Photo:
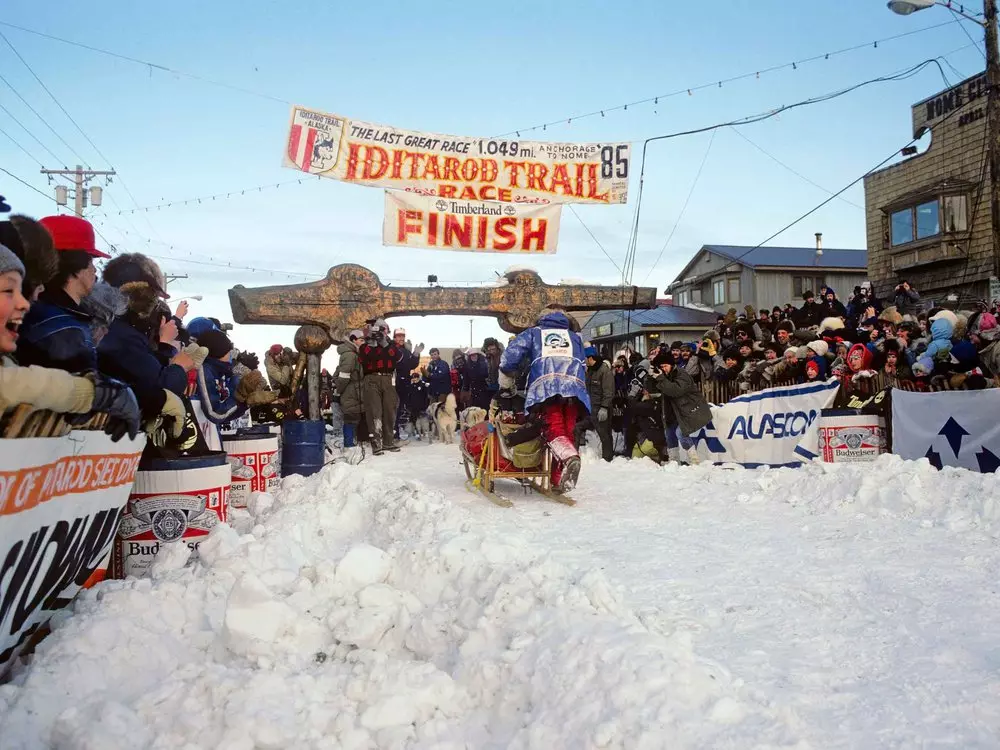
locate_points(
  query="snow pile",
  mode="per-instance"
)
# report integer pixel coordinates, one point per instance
(891, 487)
(363, 610)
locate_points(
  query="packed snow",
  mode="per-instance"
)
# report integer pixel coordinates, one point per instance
(383, 605)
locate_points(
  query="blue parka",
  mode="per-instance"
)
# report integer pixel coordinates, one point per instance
(439, 378)
(124, 353)
(217, 392)
(556, 357)
(56, 333)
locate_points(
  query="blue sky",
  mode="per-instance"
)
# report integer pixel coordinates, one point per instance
(469, 69)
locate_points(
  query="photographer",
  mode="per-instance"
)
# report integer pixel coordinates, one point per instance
(379, 356)
(906, 299)
(684, 410)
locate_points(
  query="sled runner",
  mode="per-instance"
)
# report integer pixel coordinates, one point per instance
(488, 455)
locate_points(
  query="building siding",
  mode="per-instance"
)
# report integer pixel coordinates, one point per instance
(776, 287)
(956, 153)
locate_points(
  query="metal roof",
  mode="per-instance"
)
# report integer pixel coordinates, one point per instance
(803, 257)
(662, 316)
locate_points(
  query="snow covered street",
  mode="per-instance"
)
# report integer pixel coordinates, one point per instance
(385, 606)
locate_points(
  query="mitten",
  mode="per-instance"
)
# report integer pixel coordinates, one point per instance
(602, 415)
(173, 407)
(197, 353)
(114, 398)
(261, 397)
(249, 360)
(251, 383)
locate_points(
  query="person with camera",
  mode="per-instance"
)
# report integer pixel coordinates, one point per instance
(379, 356)
(906, 299)
(685, 411)
(601, 387)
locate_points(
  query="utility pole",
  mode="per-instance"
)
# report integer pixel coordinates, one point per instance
(993, 123)
(80, 177)
(470, 332)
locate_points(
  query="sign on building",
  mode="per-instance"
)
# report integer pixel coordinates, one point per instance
(510, 170)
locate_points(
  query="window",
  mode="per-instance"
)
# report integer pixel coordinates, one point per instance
(928, 223)
(734, 290)
(902, 226)
(682, 298)
(719, 292)
(929, 219)
(803, 284)
(956, 213)
(696, 296)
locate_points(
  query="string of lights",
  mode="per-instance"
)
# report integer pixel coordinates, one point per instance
(216, 196)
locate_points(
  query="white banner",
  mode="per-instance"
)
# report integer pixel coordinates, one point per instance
(61, 500)
(952, 428)
(447, 166)
(470, 226)
(775, 427)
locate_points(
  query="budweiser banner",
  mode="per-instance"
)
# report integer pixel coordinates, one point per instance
(61, 500)
(447, 166)
(470, 226)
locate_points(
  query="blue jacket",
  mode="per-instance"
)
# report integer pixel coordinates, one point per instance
(217, 392)
(439, 378)
(556, 357)
(56, 333)
(124, 353)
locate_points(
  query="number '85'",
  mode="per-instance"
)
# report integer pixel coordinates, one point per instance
(612, 157)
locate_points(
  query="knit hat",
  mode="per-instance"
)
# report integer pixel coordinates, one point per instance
(663, 358)
(590, 351)
(275, 349)
(820, 347)
(72, 233)
(10, 262)
(984, 325)
(812, 368)
(217, 343)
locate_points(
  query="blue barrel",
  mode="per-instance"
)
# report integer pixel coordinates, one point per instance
(303, 446)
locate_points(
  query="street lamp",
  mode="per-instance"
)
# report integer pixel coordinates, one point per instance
(989, 24)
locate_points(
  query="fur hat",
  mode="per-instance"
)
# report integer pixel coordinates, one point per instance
(891, 315)
(664, 357)
(104, 303)
(820, 347)
(130, 269)
(891, 345)
(731, 352)
(746, 328)
(831, 324)
(808, 295)
(32, 244)
(677, 345)
(785, 325)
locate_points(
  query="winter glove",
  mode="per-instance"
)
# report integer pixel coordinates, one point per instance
(751, 315)
(708, 346)
(261, 397)
(602, 415)
(249, 360)
(174, 408)
(419, 350)
(197, 353)
(116, 399)
(249, 385)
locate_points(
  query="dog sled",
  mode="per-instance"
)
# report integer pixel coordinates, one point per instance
(505, 448)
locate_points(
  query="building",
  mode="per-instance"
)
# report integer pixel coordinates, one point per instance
(928, 217)
(724, 276)
(612, 330)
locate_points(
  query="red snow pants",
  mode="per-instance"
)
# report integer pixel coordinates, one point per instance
(559, 420)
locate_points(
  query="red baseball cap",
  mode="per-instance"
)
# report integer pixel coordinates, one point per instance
(72, 233)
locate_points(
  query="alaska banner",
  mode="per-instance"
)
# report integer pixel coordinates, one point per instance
(447, 166)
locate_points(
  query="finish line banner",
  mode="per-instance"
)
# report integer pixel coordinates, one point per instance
(778, 427)
(469, 226)
(447, 166)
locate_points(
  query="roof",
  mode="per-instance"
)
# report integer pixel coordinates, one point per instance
(784, 257)
(659, 317)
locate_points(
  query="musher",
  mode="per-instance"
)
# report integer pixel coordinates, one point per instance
(557, 387)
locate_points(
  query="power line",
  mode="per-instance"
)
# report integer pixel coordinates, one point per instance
(29, 185)
(25, 129)
(593, 237)
(32, 156)
(44, 121)
(687, 200)
(801, 176)
(958, 20)
(145, 63)
(718, 84)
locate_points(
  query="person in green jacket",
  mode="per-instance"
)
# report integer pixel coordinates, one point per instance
(684, 408)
